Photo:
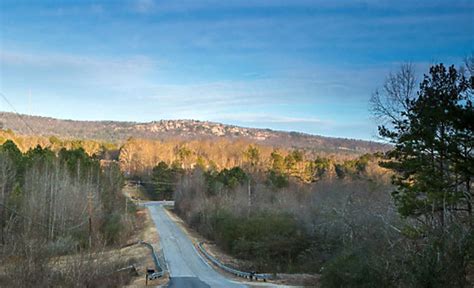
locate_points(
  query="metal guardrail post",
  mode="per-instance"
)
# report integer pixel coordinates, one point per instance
(249, 275)
(160, 270)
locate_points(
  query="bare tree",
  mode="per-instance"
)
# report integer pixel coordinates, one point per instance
(7, 174)
(469, 64)
(388, 103)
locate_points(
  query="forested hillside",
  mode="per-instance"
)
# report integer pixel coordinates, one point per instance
(138, 158)
(116, 132)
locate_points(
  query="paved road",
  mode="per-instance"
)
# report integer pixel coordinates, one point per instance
(187, 268)
(186, 282)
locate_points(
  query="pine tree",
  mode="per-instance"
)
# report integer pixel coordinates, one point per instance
(433, 150)
(163, 180)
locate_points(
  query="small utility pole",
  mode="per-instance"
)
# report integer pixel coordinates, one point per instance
(249, 190)
(89, 204)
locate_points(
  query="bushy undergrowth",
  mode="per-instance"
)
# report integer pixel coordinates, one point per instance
(273, 241)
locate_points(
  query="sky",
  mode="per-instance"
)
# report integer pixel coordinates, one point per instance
(295, 65)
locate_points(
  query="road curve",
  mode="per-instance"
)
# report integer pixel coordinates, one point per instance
(185, 264)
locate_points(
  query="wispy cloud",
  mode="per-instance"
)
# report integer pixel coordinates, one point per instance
(114, 72)
(269, 118)
(75, 61)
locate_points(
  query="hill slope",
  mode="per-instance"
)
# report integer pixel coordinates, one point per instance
(116, 131)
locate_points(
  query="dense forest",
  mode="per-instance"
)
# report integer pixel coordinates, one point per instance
(138, 157)
(98, 149)
(54, 204)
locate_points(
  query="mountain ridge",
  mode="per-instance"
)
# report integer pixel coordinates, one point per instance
(184, 129)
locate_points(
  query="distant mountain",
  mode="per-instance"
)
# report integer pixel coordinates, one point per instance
(116, 131)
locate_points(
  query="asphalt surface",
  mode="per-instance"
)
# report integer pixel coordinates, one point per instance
(187, 268)
(188, 282)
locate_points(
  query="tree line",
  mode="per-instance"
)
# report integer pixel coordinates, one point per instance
(278, 174)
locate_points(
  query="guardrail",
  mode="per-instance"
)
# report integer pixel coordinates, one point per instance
(161, 269)
(248, 275)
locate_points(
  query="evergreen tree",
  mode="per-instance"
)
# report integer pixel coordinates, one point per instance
(252, 154)
(163, 178)
(433, 150)
(278, 162)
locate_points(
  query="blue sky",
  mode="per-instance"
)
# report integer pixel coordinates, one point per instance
(298, 65)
